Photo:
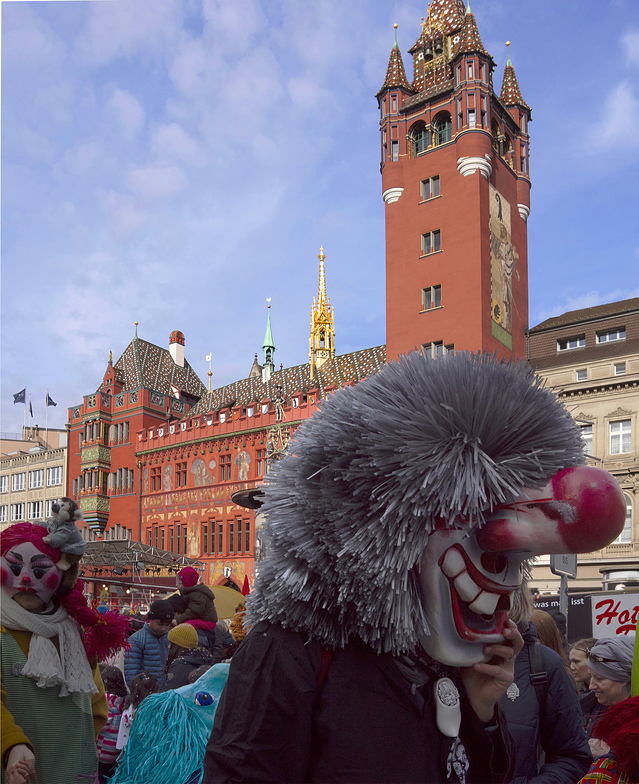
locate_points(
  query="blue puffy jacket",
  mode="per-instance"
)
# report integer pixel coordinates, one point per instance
(566, 755)
(148, 653)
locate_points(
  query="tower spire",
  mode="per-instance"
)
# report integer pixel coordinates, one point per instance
(322, 339)
(395, 73)
(268, 347)
(510, 93)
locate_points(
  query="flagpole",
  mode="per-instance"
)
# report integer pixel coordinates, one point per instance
(46, 421)
(24, 422)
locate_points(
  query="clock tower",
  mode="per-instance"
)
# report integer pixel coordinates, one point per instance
(456, 184)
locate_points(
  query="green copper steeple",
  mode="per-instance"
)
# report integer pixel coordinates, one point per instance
(269, 346)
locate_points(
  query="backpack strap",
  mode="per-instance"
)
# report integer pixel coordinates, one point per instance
(538, 675)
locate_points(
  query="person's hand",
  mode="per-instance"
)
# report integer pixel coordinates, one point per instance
(20, 765)
(598, 747)
(174, 622)
(485, 682)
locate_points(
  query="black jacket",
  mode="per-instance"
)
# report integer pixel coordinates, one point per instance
(179, 670)
(277, 722)
(200, 603)
(559, 730)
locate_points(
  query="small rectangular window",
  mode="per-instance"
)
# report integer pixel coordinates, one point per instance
(620, 369)
(470, 71)
(171, 540)
(4, 483)
(393, 104)
(231, 538)
(220, 539)
(582, 375)
(471, 118)
(205, 539)
(17, 481)
(239, 535)
(162, 539)
(611, 335)
(620, 437)
(437, 349)
(431, 242)
(394, 150)
(430, 188)
(432, 297)
(247, 536)
(567, 344)
(4, 512)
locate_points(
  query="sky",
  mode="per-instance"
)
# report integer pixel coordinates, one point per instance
(179, 162)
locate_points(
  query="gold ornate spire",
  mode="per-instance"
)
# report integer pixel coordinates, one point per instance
(322, 340)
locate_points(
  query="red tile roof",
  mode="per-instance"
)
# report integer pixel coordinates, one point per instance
(586, 314)
(395, 73)
(510, 93)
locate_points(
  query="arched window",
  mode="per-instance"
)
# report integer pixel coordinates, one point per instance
(496, 134)
(420, 139)
(443, 129)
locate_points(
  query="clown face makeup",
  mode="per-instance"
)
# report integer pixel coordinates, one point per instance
(467, 578)
(29, 576)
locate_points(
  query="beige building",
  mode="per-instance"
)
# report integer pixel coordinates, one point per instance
(590, 358)
(32, 474)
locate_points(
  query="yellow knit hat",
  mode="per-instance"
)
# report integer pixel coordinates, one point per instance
(184, 635)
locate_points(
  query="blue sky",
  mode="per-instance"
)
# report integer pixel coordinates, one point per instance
(176, 162)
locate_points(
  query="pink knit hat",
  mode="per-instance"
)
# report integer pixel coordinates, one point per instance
(189, 576)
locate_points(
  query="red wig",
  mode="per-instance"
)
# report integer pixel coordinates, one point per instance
(619, 728)
(103, 634)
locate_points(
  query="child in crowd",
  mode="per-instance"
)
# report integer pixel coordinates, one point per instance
(185, 655)
(141, 686)
(106, 742)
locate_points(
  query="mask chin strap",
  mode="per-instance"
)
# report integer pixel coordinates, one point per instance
(448, 717)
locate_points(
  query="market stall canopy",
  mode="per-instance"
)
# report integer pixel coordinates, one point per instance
(125, 553)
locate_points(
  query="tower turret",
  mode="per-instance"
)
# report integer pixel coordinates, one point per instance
(322, 340)
(456, 188)
(268, 348)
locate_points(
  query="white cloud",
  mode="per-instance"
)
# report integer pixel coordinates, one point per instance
(124, 29)
(124, 216)
(127, 112)
(157, 183)
(630, 41)
(172, 143)
(615, 127)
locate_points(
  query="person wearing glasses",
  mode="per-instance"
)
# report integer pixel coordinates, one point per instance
(610, 665)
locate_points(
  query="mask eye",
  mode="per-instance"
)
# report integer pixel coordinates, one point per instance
(15, 568)
(203, 698)
(39, 573)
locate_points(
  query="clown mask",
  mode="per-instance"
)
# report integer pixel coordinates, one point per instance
(467, 577)
(29, 577)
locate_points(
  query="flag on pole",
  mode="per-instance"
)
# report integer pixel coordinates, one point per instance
(20, 397)
(50, 402)
(208, 357)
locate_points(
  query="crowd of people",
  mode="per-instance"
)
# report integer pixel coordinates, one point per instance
(390, 636)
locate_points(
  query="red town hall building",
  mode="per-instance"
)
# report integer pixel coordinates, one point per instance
(155, 457)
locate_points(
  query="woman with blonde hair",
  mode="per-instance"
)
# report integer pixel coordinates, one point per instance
(548, 634)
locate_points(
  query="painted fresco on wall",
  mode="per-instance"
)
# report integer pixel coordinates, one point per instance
(193, 542)
(145, 481)
(242, 462)
(503, 265)
(203, 474)
(166, 481)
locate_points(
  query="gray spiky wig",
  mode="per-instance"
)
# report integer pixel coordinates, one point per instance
(350, 508)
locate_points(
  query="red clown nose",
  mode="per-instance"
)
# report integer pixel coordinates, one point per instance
(580, 510)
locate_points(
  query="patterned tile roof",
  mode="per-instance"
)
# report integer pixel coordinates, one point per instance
(585, 314)
(510, 93)
(144, 364)
(469, 38)
(341, 370)
(395, 73)
(446, 14)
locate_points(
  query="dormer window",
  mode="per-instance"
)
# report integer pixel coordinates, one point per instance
(611, 335)
(568, 344)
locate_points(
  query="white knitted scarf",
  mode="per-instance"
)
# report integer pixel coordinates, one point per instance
(70, 668)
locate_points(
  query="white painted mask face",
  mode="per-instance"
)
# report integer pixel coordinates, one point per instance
(467, 578)
(29, 576)
(466, 596)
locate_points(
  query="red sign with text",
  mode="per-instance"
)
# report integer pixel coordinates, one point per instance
(614, 613)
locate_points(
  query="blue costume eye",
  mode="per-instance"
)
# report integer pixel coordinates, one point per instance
(203, 698)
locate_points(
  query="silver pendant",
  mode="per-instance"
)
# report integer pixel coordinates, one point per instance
(512, 692)
(448, 712)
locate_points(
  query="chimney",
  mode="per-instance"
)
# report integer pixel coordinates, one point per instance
(176, 347)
